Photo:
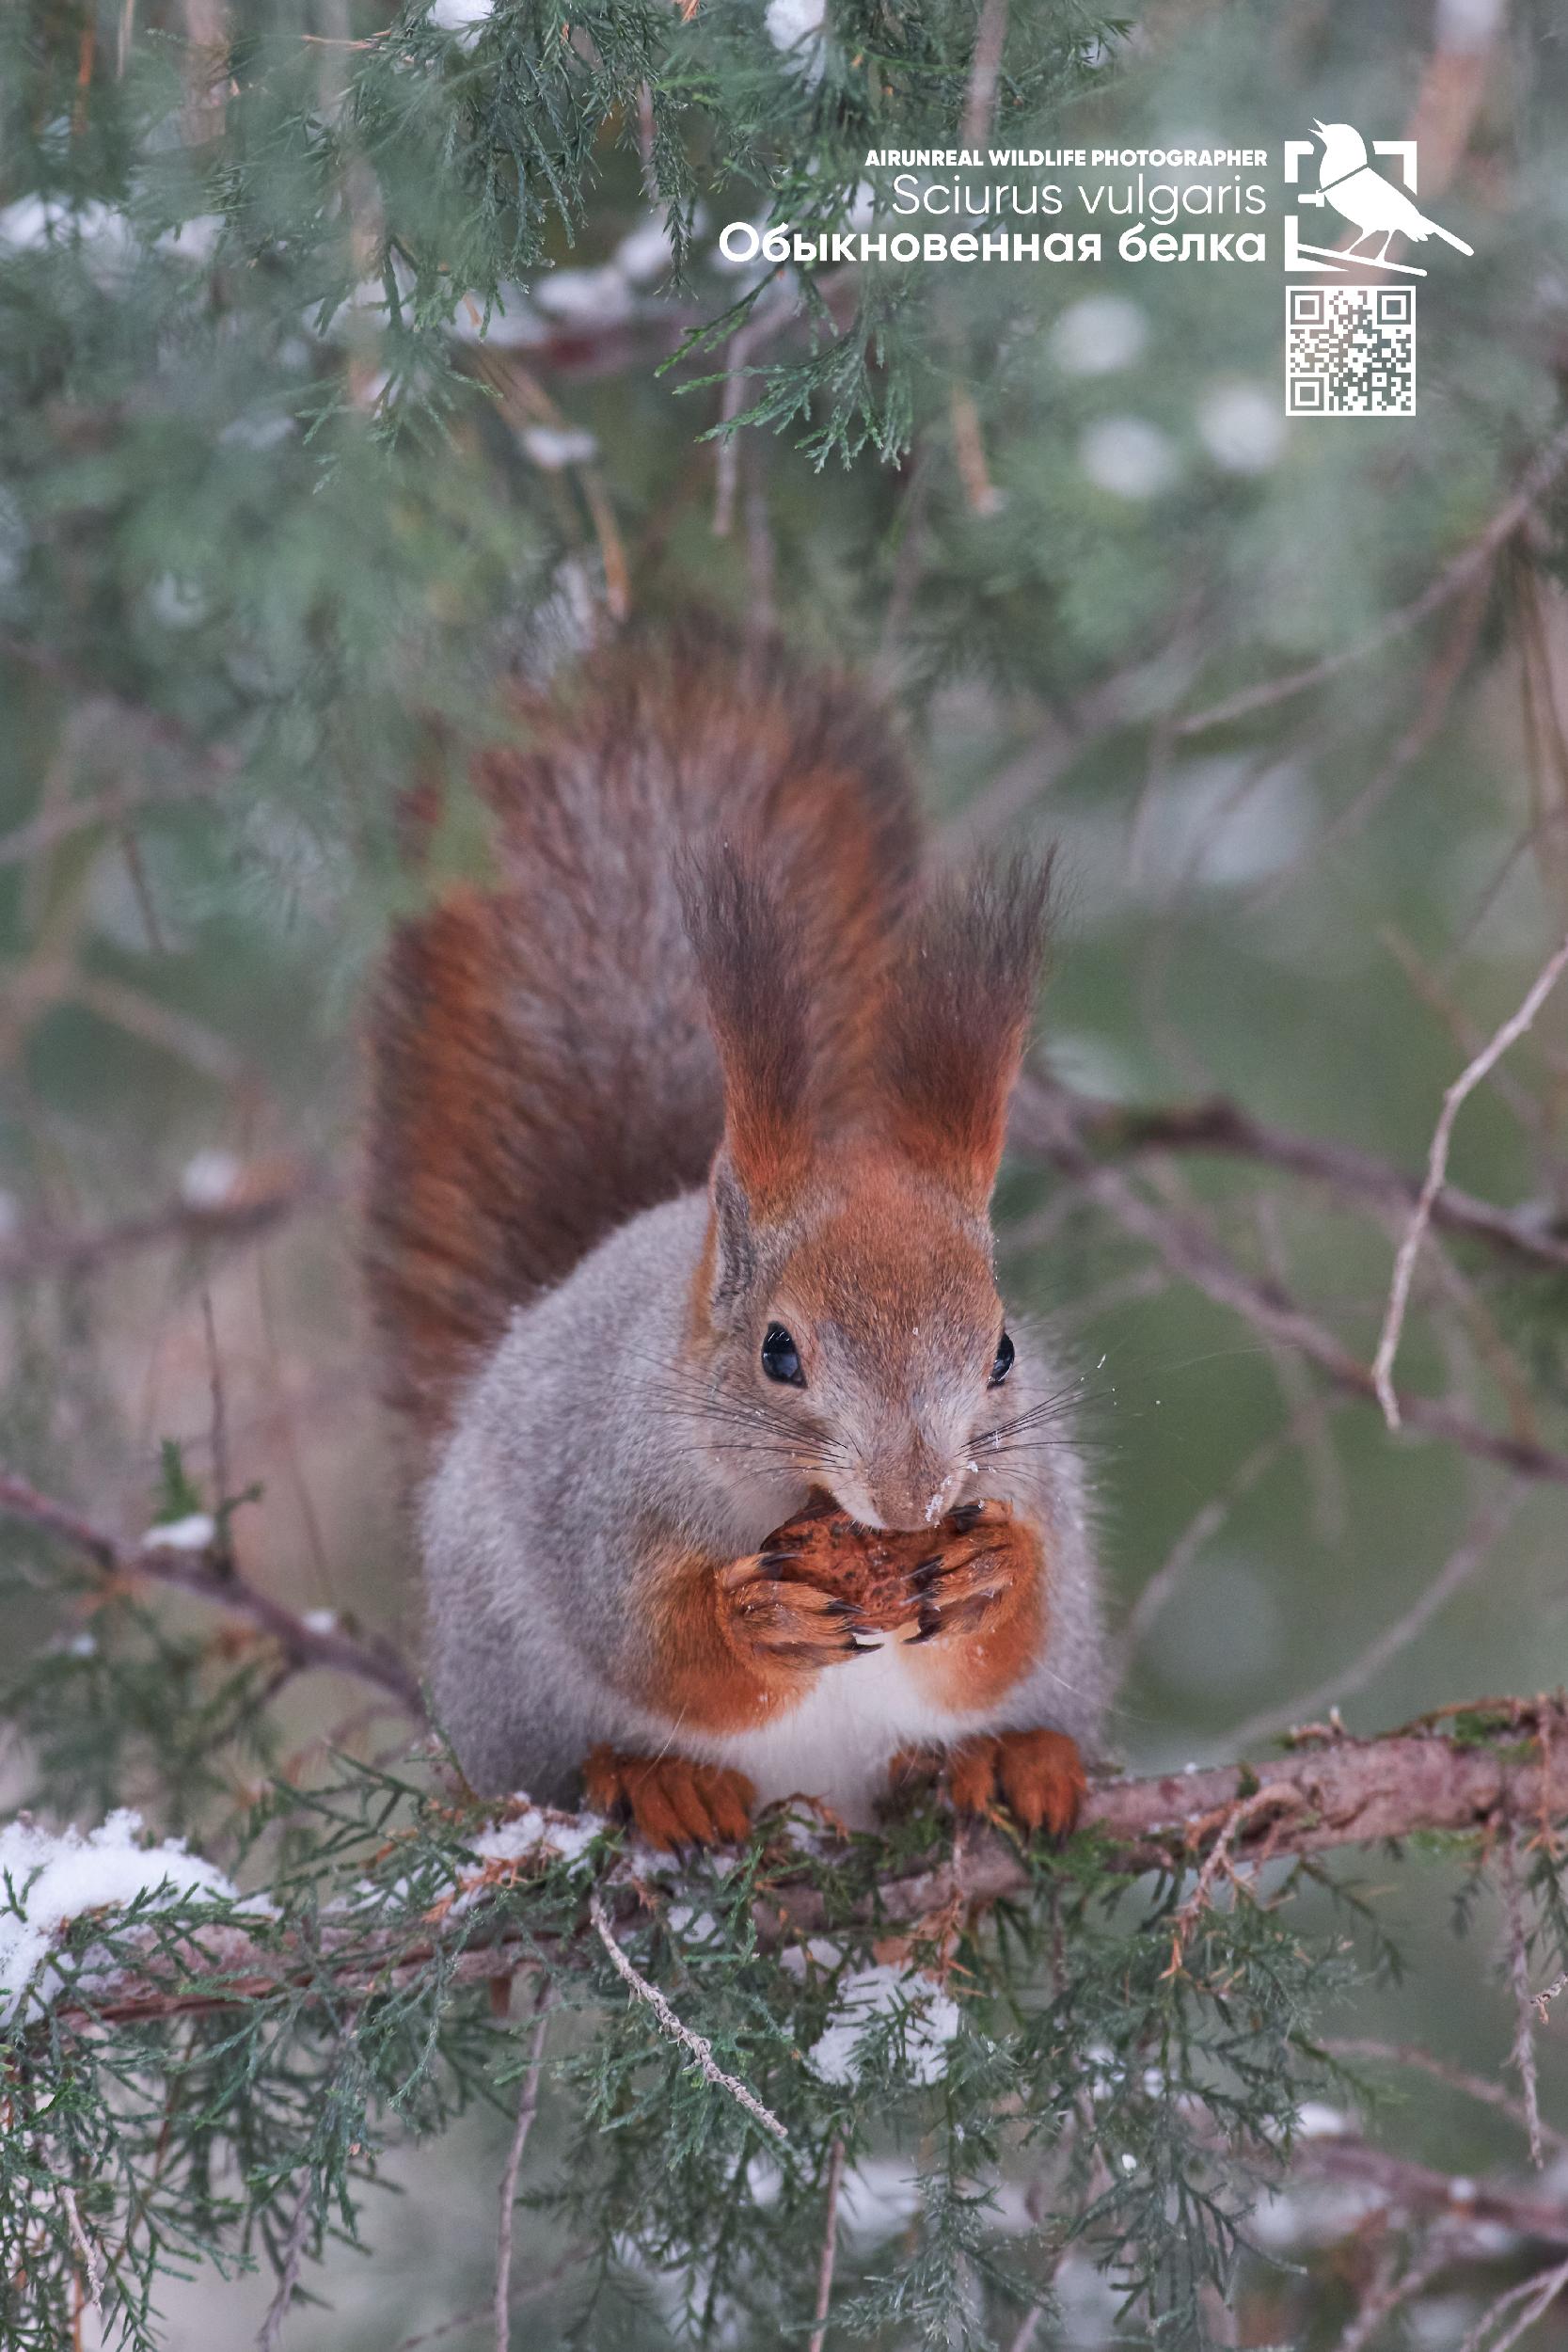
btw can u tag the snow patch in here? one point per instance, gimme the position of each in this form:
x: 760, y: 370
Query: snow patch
x: 880, y: 2196
x: 209, y: 1179
x: 1128, y: 457
x: 796, y: 28
x: 35, y: 221
x: 467, y: 17
x: 1098, y: 335
x: 1314, y: 2121
x: 537, y: 1832
x: 645, y: 252
x: 553, y: 447
x: 695, y: 1926
x: 194, y: 1532
x: 48, y: 1881
x: 929, y: 2018
x: 585, y: 298
x: 1241, y: 426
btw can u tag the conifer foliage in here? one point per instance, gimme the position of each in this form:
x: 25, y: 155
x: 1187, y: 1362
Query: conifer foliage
x: 354, y: 360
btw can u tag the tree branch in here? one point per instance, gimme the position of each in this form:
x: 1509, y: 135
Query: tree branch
x: 1114, y: 1131
x: 254, y: 1209
x: 1466, y: 566
x: 1345, y: 1792
x: 1040, y: 1125
x: 199, y: 1574
x: 1437, y: 1167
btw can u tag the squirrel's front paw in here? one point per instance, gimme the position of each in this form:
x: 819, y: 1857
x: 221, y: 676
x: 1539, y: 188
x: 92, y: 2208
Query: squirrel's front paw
x: 983, y: 1556
x: 668, y: 1800
x: 944, y: 1579
x: 1038, y: 1775
x: 775, y: 1615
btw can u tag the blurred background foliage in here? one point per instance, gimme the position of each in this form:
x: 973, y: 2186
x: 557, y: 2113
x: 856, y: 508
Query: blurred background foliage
x: 351, y: 366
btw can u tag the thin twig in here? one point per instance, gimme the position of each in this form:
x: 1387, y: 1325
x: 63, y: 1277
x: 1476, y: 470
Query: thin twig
x: 92, y: 2260
x: 700, y: 2050
x: 1274, y: 1797
x: 1437, y: 692
x: 990, y: 39
x: 287, y: 2277
x: 770, y: 315
x: 1190, y: 1249
x: 1478, y: 2087
x: 222, y: 1490
x: 1409, y: 2187
x: 1456, y: 1572
x: 1205, y: 1525
x: 1392, y: 2287
x: 528, y: 2107
x: 1522, y: 2054
x: 42, y: 1250
x: 830, y: 2247
x: 1121, y: 1131
x: 1437, y: 1165
x: 1548, y: 1995
x: 1531, y: 2296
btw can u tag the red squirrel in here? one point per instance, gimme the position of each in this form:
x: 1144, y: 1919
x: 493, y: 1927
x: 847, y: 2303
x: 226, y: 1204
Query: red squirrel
x: 684, y: 1135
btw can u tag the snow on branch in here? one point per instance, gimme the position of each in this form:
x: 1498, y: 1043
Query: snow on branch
x: 1463, y: 1772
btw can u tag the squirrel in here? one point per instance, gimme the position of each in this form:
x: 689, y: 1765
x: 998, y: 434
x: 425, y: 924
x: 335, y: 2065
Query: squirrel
x: 684, y: 1132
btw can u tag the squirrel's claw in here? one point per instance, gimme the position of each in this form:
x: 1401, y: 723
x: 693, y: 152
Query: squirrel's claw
x: 671, y: 1800
x: 781, y: 1618
x: 951, y: 1592
x: 1038, y: 1775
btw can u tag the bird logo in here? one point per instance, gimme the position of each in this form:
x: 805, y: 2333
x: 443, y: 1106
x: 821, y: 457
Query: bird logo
x: 1374, y: 206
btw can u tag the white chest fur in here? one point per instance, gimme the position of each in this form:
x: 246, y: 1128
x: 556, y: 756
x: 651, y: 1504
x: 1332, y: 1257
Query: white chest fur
x: 837, y: 1742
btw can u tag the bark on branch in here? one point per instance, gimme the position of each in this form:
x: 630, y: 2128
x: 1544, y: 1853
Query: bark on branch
x: 202, y: 1575
x: 1216, y: 1125
x: 1327, y: 1793
x: 1468, y: 1771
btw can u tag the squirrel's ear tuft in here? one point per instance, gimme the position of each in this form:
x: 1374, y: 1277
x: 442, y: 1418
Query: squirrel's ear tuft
x: 957, y: 1020
x: 751, y: 965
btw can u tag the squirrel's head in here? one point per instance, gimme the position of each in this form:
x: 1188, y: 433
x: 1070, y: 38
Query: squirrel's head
x: 848, y: 1281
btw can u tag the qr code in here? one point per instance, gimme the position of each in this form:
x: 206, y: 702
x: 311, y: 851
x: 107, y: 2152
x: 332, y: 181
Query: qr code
x: 1350, y: 351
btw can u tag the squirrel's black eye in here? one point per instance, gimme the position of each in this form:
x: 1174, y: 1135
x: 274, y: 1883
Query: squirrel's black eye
x: 781, y: 1358
x: 1004, y: 1363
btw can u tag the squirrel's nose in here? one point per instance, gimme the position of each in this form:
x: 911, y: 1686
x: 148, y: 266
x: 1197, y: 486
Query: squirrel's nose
x: 913, y: 1489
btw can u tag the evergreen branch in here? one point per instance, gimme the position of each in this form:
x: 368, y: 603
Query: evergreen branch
x: 199, y: 1574
x: 701, y: 2049
x: 1465, y: 1770
x: 1489, y: 1768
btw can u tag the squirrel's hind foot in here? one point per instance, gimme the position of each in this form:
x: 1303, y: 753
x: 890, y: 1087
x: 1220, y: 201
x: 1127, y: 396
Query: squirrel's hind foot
x: 668, y: 1800
x: 1038, y: 1776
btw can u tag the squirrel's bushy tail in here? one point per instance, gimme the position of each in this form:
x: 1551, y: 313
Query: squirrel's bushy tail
x: 543, y: 1067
